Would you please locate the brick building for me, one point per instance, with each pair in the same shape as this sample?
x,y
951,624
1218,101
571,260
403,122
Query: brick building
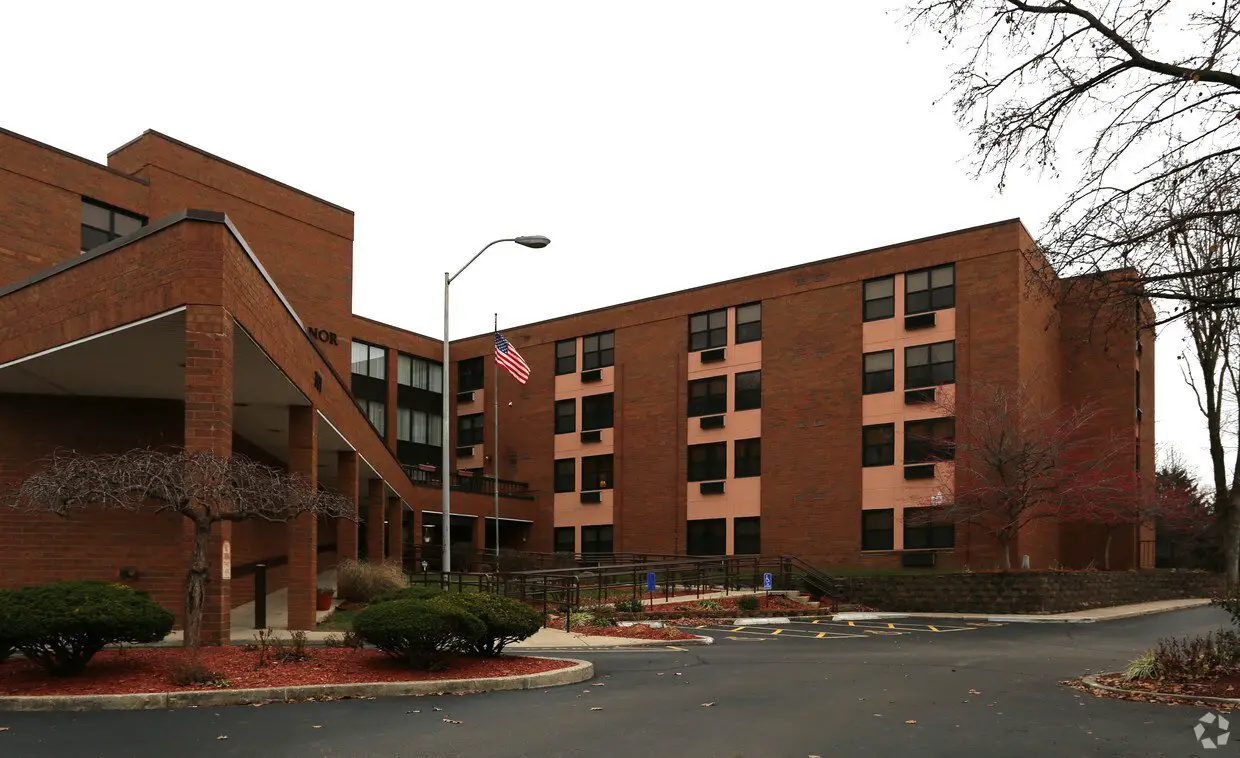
x,y
172,297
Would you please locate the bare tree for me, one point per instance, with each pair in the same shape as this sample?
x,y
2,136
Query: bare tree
x,y
1142,96
1014,461
202,486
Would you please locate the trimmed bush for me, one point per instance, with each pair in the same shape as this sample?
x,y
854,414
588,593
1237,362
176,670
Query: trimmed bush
x,y
359,582
749,603
412,592
418,632
503,619
61,626
630,605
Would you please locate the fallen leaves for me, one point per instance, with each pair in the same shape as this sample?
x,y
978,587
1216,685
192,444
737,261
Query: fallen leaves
x,y
974,692
596,708
222,737
911,721
708,705
451,721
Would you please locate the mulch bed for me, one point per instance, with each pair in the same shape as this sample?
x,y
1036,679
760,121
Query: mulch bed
x,y
116,672
1227,685
636,632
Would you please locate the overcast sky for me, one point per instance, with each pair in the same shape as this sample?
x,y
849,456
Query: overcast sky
x,y
661,145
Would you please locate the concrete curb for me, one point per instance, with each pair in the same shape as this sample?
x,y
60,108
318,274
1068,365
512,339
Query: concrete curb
x,y
1094,684
579,672
768,620
1084,617
700,639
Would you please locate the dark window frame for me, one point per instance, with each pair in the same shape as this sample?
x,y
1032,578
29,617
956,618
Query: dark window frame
x,y
878,381
566,363
598,411
370,348
571,531
565,480
879,452
937,298
565,423
747,399
706,535
872,537
471,429
923,443
747,458
709,402
598,535
925,532
364,404
597,472
931,373
745,548
707,337
750,330
881,313
713,463
600,355
473,369
111,232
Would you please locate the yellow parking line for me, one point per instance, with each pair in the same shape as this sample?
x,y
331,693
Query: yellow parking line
x,y
737,629
891,626
777,631
820,635
933,628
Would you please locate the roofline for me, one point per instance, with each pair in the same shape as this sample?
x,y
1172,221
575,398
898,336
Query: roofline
x,y
747,277
227,162
436,340
74,156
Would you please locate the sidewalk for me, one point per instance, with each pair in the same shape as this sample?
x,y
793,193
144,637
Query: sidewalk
x,y
544,639
1090,616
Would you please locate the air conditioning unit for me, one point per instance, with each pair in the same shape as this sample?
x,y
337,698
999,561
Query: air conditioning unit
x,y
595,375
919,321
711,422
594,435
919,559
591,497
714,356
465,452
711,488
919,396
465,397
920,471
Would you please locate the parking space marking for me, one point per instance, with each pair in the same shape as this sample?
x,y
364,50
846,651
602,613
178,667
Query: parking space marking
x,y
824,629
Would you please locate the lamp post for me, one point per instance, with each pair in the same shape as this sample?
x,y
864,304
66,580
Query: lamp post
x,y
446,432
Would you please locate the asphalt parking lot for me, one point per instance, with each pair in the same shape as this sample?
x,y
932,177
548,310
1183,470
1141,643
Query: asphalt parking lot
x,y
979,691
828,629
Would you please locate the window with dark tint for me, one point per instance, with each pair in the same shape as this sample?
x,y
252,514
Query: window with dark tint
x,y
418,426
747,536
708,330
596,472
598,350
469,430
566,356
708,397
878,445
748,323
566,475
376,414
101,224
878,530
880,372
596,411
929,440
748,458
469,374
926,528
565,539
748,390
565,416
929,365
930,289
708,462
707,536
596,539
419,373
369,360
880,298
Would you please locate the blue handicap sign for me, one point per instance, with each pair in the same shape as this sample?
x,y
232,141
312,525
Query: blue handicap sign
x,y
650,581
766,581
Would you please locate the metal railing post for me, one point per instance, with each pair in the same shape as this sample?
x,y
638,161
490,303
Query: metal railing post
x,y
260,596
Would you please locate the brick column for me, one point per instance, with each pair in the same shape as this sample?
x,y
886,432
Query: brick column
x,y
374,522
303,532
346,530
208,426
395,530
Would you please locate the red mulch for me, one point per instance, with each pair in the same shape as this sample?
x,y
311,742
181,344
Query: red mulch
x,y
115,672
638,631
1227,685
765,603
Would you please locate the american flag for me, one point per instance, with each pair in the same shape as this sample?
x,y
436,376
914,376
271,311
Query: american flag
x,y
507,356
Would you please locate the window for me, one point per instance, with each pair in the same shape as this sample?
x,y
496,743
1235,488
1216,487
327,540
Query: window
x,y
878,529
923,531
748,390
930,289
565,356
418,427
404,425
565,416
707,536
879,372
929,441
596,539
101,224
369,360
566,475
708,330
469,375
469,430
880,299
748,458
928,365
596,411
748,323
747,536
419,373
878,445
708,462
376,414
596,472
566,539
598,350
708,397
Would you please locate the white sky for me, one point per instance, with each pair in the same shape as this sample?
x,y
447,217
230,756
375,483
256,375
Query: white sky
x,y
661,145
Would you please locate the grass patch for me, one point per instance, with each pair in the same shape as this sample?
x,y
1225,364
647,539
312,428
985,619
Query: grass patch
x,y
339,621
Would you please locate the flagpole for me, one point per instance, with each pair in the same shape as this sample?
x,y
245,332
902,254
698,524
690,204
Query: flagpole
x,y
495,465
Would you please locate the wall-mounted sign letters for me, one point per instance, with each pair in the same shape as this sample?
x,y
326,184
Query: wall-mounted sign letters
x,y
322,335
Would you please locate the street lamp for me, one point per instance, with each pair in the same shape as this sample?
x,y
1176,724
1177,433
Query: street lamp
x,y
445,537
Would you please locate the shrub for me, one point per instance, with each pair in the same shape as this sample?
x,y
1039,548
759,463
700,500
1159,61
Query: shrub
x,y
61,626
359,582
710,605
601,615
749,603
187,673
630,605
348,639
1196,657
412,592
1230,602
1143,667
292,649
503,619
418,632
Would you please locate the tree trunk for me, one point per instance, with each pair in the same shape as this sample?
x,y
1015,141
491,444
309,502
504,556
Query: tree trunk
x,y
196,583
1106,551
1231,544
1005,544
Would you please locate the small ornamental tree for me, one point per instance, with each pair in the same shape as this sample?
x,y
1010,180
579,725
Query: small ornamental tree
x,y
202,486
